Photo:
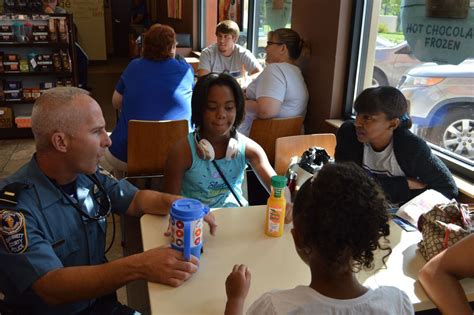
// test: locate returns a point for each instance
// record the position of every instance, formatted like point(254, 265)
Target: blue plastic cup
point(187, 226)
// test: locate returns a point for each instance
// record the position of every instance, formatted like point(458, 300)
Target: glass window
point(441, 96)
point(236, 10)
point(270, 15)
point(243, 38)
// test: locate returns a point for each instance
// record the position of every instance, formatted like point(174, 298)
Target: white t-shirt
point(383, 163)
point(212, 60)
point(305, 300)
point(283, 82)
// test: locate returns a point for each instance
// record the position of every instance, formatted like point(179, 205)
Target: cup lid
point(188, 209)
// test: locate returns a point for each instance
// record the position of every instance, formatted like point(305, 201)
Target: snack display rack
point(36, 53)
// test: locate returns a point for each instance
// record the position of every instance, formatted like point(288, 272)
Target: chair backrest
point(288, 147)
point(266, 131)
point(185, 45)
point(149, 143)
point(184, 40)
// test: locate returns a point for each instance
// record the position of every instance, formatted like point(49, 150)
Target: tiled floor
point(13, 154)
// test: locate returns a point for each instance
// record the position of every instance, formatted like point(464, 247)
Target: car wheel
point(261, 53)
point(379, 78)
point(456, 133)
point(242, 41)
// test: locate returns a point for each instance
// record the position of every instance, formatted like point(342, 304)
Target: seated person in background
point(154, 87)
point(217, 110)
point(380, 141)
point(51, 7)
point(139, 14)
point(139, 23)
point(227, 56)
point(336, 237)
point(280, 91)
point(53, 229)
point(440, 277)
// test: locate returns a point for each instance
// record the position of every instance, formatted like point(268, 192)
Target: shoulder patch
point(13, 231)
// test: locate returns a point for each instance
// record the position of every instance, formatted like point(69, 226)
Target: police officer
point(53, 216)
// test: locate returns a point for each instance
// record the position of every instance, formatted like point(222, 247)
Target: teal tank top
point(203, 182)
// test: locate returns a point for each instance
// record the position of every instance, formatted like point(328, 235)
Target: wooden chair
point(287, 147)
point(266, 131)
point(149, 143)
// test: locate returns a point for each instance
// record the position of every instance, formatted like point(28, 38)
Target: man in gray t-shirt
point(227, 56)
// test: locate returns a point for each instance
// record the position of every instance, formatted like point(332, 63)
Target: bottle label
point(277, 192)
point(274, 219)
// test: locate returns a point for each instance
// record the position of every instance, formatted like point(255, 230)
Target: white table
point(273, 262)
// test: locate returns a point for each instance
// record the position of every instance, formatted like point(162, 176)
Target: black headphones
point(100, 196)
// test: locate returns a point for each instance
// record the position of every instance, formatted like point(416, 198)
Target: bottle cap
point(278, 181)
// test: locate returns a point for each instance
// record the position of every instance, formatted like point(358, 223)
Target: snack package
point(24, 65)
point(40, 33)
point(6, 117)
point(63, 31)
point(65, 61)
point(53, 35)
point(32, 61)
point(27, 94)
point(57, 62)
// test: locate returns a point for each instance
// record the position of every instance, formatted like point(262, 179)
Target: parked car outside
point(441, 99)
point(391, 62)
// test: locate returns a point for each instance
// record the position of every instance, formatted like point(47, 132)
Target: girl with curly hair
point(339, 219)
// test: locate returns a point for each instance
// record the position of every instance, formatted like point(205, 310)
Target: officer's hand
point(167, 266)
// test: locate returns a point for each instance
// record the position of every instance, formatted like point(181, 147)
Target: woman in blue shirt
point(154, 87)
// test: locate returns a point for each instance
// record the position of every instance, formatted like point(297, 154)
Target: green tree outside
point(390, 7)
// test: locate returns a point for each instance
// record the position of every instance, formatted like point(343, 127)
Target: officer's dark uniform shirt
point(55, 234)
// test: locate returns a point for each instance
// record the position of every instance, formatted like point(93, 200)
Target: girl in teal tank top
point(217, 110)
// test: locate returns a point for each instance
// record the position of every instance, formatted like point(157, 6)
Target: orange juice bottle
point(276, 204)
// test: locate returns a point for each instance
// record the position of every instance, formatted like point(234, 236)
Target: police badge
point(13, 231)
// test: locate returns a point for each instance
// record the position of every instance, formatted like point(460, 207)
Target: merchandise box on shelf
point(23, 121)
point(37, 52)
point(6, 116)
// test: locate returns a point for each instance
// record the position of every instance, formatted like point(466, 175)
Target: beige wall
point(89, 18)
point(326, 29)
point(188, 23)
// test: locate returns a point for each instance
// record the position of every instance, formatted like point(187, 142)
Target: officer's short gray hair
point(52, 112)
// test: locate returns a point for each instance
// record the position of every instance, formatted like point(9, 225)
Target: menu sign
point(439, 39)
